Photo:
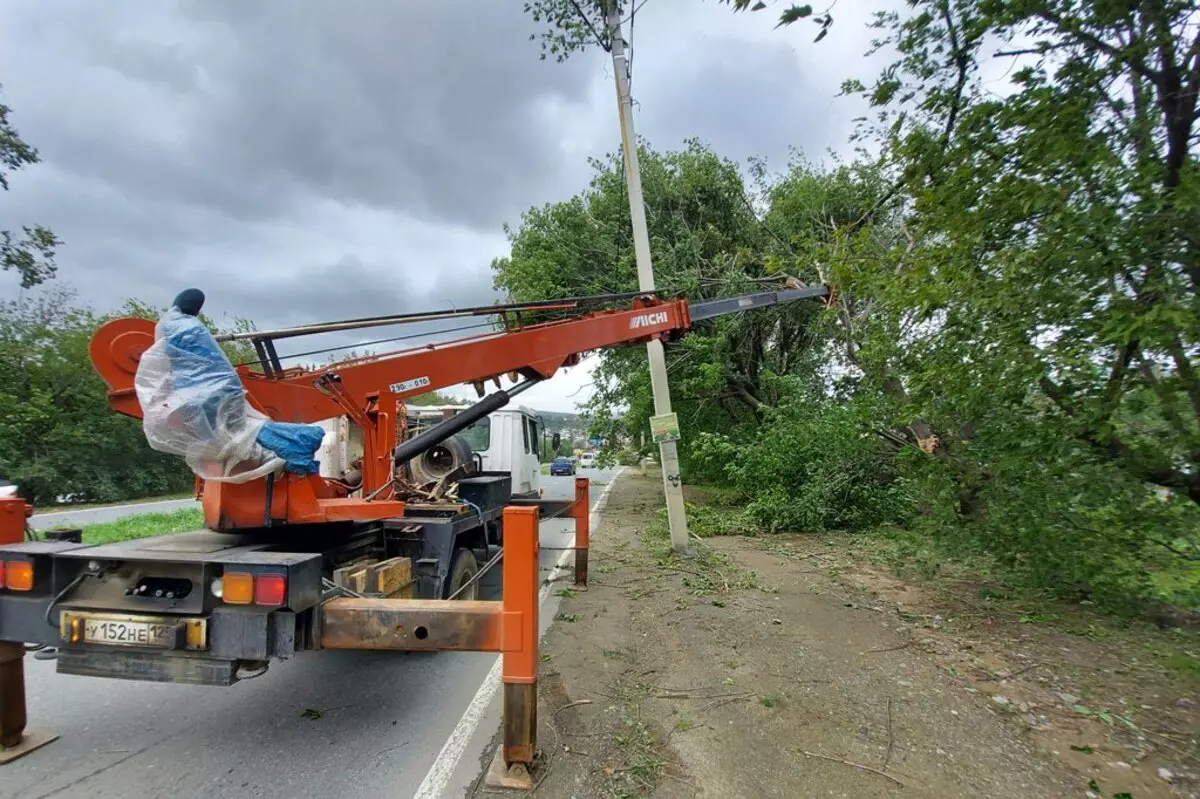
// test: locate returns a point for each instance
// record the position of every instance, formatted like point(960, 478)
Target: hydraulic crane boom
point(369, 389)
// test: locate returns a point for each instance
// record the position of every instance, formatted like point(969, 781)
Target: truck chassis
point(106, 607)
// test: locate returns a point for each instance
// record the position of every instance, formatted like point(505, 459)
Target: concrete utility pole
point(668, 454)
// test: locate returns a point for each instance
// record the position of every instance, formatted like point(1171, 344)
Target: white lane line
point(446, 762)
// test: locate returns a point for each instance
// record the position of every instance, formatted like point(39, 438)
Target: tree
point(58, 437)
point(1041, 311)
point(1057, 268)
point(30, 252)
point(434, 398)
point(707, 242)
point(573, 25)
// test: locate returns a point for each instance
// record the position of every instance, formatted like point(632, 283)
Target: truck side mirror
point(555, 440)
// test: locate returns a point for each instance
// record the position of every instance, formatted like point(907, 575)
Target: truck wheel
point(463, 568)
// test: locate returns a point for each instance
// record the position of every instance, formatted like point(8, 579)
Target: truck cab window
point(479, 435)
point(525, 434)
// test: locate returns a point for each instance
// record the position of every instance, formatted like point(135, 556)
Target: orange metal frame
point(369, 390)
point(14, 740)
point(509, 626)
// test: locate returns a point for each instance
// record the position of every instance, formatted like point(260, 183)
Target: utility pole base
point(30, 741)
point(501, 776)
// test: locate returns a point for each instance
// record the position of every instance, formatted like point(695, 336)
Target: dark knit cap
point(189, 301)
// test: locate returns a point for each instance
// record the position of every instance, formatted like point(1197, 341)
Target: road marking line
point(446, 762)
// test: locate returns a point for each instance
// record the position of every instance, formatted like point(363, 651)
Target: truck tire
point(462, 568)
point(433, 465)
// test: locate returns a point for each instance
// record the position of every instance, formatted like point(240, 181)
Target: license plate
point(152, 632)
point(127, 633)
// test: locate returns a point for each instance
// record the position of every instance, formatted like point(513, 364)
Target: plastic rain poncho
point(194, 405)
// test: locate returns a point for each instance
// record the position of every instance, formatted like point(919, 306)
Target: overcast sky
point(304, 161)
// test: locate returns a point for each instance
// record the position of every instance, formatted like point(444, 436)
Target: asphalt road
point(108, 513)
point(384, 718)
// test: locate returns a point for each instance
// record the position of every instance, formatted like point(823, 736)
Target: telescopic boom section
point(297, 394)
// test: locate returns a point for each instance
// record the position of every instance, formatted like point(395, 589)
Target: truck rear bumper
point(148, 666)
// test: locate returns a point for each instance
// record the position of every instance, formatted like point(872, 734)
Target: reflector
point(237, 588)
point(18, 575)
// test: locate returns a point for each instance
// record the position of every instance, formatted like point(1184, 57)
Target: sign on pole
point(664, 428)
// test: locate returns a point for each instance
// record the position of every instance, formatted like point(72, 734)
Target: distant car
point(562, 466)
point(587, 460)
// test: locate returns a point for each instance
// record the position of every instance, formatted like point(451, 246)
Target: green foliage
point(1036, 322)
point(31, 252)
point(569, 26)
point(812, 466)
point(706, 242)
point(1010, 372)
point(434, 398)
point(58, 437)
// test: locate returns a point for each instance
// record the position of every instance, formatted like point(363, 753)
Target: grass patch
point(705, 572)
point(144, 525)
point(1184, 663)
point(770, 700)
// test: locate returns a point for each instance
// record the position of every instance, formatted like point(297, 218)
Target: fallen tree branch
point(852, 764)
point(904, 645)
point(573, 704)
point(891, 741)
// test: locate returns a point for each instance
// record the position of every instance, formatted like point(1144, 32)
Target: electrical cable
point(71, 586)
point(477, 576)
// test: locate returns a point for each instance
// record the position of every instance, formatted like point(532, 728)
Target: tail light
point(242, 588)
point(270, 589)
point(17, 575)
point(237, 588)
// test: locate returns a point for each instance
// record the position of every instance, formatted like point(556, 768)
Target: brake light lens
point(18, 575)
point(270, 589)
point(237, 588)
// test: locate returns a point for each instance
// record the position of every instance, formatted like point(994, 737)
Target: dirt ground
point(789, 666)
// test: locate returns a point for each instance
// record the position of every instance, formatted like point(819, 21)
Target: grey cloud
point(308, 160)
point(742, 98)
point(430, 109)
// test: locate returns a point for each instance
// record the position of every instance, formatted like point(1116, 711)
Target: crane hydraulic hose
point(420, 444)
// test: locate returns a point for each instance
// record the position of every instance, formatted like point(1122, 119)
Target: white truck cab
point(507, 440)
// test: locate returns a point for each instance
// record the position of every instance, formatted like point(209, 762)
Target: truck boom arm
point(368, 389)
point(535, 351)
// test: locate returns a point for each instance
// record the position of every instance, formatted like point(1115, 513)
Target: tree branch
point(1166, 399)
point(1114, 449)
point(1187, 374)
point(1192, 556)
point(1116, 380)
point(900, 442)
point(1099, 44)
point(587, 21)
point(962, 62)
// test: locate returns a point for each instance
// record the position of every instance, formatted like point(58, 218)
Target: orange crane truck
point(294, 561)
